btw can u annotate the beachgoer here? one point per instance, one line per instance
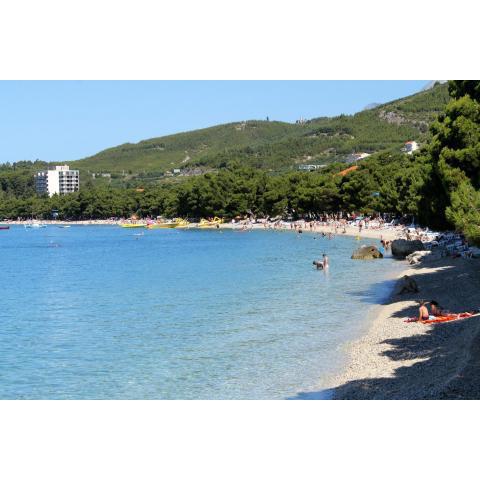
(318, 264)
(423, 311)
(437, 311)
(325, 262)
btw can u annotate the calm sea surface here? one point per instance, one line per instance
(101, 313)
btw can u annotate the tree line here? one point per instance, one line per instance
(385, 183)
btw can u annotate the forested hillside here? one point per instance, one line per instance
(269, 145)
(277, 146)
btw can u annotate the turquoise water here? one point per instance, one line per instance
(100, 313)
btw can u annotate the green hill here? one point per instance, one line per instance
(276, 146)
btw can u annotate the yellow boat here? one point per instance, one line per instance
(210, 223)
(133, 225)
(182, 223)
(154, 226)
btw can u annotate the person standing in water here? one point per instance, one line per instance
(325, 261)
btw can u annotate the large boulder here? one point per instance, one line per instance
(402, 248)
(425, 256)
(417, 257)
(366, 253)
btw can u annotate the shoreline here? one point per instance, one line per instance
(367, 233)
(398, 360)
(327, 385)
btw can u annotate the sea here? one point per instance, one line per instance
(102, 312)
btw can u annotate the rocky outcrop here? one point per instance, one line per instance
(402, 248)
(366, 253)
(423, 256)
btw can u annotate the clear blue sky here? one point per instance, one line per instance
(67, 120)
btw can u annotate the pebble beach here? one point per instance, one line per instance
(398, 360)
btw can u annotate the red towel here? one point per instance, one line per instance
(443, 318)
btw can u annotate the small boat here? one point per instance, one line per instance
(182, 223)
(133, 225)
(153, 226)
(63, 226)
(35, 225)
(214, 223)
(4, 227)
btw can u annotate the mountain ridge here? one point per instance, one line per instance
(275, 145)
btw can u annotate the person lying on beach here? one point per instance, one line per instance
(409, 285)
(437, 310)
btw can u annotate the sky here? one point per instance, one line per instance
(68, 120)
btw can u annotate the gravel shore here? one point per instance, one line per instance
(373, 233)
(398, 360)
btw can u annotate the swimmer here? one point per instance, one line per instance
(325, 261)
(318, 264)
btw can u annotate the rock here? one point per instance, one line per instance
(366, 253)
(402, 248)
(417, 257)
(424, 256)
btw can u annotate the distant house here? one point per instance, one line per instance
(410, 147)
(190, 172)
(176, 171)
(310, 168)
(355, 157)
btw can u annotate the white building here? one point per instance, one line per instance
(355, 157)
(310, 168)
(60, 180)
(410, 147)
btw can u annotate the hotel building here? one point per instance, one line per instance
(60, 180)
